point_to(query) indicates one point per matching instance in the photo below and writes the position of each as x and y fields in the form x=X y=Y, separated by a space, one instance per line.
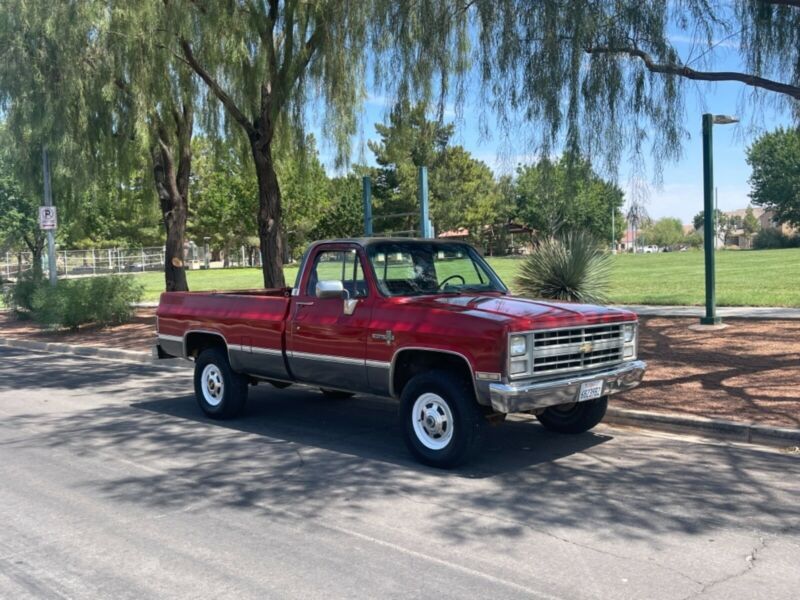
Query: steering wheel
x=446 y=279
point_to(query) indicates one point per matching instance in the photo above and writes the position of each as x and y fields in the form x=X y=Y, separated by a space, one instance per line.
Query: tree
x=305 y=194
x=408 y=141
x=567 y=195
x=344 y=216
x=775 y=181
x=19 y=211
x=224 y=197
x=603 y=75
x=750 y=224
x=462 y=191
x=93 y=83
x=666 y=232
x=258 y=60
x=723 y=226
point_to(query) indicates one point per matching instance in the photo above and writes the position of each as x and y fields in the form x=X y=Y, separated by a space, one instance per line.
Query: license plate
x=591 y=390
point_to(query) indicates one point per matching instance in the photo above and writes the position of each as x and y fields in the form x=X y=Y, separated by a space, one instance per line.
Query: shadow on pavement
x=295 y=449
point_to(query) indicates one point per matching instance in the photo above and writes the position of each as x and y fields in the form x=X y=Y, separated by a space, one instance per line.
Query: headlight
x=518 y=345
x=629 y=331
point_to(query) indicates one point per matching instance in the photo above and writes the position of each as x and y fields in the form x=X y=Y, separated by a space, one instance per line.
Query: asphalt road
x=113 y=486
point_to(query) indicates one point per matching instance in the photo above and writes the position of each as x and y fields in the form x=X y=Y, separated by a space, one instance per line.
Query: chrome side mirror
x=330 y=289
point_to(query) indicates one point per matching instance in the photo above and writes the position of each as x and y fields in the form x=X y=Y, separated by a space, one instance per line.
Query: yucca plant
x=572 y=268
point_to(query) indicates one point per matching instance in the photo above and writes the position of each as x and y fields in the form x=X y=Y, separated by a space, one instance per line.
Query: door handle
x=304 y=303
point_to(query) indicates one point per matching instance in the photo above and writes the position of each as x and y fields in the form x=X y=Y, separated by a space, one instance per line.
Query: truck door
x=327 y=338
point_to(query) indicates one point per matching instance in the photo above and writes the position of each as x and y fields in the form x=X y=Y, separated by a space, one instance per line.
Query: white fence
x=74 y=263
x=83 y=263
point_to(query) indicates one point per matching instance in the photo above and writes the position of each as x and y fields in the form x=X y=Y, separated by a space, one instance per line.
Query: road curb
x=751 y=433
x=670 y=422
x=90 y=351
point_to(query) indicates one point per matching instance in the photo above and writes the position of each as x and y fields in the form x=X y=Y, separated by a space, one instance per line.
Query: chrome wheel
x=212 y=384
x=433 y=421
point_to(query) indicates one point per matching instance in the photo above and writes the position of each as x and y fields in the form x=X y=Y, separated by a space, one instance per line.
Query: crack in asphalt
x=549 y=534
x=750 y=559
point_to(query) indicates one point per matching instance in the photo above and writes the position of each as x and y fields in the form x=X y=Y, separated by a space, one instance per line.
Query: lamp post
x=205 y=252
x=709 y=216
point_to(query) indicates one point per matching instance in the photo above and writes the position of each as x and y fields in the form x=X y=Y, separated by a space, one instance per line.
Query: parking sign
x=47 y=217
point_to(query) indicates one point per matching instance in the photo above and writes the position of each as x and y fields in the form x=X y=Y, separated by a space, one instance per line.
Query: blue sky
x=680 y=193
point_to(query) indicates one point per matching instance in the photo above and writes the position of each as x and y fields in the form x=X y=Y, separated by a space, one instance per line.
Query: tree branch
x=689 y=73
x=221 y=95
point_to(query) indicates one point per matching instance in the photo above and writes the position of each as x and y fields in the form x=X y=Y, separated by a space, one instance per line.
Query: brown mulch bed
x=139 y=334
x=747 y=372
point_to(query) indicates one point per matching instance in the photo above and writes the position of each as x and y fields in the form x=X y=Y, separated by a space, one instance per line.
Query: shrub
x=98 y=300
x=572 y=268
x=18 y=297
x=774 y=238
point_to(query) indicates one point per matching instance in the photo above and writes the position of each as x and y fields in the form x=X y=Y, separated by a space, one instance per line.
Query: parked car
x=426 y=322
x=650 y=249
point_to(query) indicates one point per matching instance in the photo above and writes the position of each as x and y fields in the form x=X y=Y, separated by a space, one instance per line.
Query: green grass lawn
x=744 y=278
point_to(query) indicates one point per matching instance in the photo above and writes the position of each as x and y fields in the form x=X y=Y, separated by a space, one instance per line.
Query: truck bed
x=252 y=323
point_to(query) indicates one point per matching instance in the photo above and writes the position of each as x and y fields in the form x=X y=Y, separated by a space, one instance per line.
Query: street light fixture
x=709 y=215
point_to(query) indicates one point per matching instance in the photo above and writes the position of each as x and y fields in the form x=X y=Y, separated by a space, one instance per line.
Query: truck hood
x=523 y=314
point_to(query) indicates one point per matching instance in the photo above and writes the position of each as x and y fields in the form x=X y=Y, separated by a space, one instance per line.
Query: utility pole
x=366 y=197
x=424 y=215
x=613 y=232
x=51 y=238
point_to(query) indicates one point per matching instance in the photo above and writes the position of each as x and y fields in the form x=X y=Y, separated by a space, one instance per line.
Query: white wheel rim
x=433 y=421
x=213 y=385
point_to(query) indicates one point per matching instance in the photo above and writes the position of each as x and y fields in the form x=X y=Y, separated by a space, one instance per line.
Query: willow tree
x=43 y=99
x=153 y=97
x=604 y=76
x=90 y=81
x=259 y=59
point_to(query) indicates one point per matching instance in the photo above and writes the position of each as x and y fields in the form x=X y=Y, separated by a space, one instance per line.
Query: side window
x=401 y=272
x=338 y=265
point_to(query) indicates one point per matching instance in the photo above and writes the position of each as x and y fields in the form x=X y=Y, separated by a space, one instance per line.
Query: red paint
x=474 y=325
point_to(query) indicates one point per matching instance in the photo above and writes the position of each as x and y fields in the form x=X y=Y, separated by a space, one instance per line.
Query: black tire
x=463 y=436
x=336 y=394
x=574 y=418
x=232 y=391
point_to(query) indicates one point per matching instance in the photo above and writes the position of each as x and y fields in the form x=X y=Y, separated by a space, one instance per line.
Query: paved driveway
x=113 y=485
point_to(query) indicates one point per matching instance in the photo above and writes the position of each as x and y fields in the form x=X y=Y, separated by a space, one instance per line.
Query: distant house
x=766 y=220
x=627 y=241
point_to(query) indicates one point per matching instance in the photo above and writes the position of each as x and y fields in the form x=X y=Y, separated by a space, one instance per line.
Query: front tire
x=574 y=418
x=219 y=390
x=441 y=422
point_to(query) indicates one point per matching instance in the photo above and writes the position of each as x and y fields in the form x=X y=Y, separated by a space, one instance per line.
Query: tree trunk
x=172 y=186
x=36 y=263
x=173 y=213
x=269 y=212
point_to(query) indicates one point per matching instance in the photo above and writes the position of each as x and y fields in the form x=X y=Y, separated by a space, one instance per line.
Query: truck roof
x=368 y=241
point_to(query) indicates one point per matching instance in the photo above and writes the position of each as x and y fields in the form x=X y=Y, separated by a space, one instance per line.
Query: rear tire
x=219 y=390
x=441 y=422
x=336 y=394
x=574 y=418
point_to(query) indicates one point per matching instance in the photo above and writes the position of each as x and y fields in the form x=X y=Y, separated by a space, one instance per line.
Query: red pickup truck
x=427 y=322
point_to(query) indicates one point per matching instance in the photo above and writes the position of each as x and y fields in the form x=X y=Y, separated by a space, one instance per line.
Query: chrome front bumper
x=522 y=397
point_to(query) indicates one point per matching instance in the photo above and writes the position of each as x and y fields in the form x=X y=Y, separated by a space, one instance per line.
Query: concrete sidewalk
x=738 y=312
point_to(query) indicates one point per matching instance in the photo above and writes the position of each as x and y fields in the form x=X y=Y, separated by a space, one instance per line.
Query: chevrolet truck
x=426 y=322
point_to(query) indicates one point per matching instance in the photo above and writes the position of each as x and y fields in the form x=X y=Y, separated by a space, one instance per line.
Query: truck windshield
x=418 y=268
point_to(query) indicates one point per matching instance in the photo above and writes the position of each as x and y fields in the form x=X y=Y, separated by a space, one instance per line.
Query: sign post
x=48 y=220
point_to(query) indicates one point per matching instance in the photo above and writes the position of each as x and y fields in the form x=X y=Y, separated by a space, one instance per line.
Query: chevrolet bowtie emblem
x=586 y=347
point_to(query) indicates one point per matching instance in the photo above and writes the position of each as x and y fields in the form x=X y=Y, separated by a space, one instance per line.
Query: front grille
x=561 y=350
